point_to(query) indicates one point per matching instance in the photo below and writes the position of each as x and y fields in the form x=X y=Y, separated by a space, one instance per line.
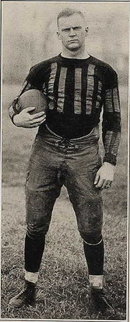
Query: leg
x=42 y=189
x=89 y=218
x=87 y=203
x=39 y=210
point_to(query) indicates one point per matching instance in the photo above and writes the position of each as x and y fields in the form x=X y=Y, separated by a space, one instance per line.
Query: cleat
x=99 y=301
x=25 y=297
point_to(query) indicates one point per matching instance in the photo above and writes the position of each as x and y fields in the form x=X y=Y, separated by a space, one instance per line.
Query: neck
x=79 y=54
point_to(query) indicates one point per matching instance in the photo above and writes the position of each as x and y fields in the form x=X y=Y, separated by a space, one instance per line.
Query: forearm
x=111 y=136
x=111 y=126
x=15 y=108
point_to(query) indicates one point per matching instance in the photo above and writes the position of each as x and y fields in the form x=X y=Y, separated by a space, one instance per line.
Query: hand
x=104 y=176
x=25 y=119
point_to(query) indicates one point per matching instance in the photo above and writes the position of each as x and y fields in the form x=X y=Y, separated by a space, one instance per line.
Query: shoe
x=25 y=297
x=99 y=301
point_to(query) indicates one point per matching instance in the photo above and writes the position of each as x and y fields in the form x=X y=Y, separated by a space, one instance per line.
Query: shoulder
x=44 y=64
x=39 y=70
x=109 y=75
x=105 y=67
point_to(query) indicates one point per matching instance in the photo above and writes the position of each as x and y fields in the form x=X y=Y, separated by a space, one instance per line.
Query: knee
x=92 y=237
x=90 y=227
x=37 y=231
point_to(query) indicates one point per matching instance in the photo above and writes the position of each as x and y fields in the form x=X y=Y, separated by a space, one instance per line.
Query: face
x=72 y=31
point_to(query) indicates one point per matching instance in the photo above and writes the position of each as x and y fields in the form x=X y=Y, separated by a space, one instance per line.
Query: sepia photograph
x=64 y=218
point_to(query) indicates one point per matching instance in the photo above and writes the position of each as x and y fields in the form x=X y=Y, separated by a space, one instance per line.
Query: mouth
x=72 y=41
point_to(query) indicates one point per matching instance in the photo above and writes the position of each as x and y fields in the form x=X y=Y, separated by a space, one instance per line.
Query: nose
x=72 y=32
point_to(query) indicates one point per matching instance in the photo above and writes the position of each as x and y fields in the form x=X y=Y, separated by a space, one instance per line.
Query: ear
x=58 y=35
x=86 y=31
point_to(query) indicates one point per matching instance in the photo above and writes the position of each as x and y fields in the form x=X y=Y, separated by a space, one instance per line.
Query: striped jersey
x=77 y=90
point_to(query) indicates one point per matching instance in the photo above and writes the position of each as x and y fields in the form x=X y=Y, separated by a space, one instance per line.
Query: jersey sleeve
x=111 y=125
x=31 y=82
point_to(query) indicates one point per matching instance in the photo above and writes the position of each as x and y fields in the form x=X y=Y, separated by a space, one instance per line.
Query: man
x=65 y=150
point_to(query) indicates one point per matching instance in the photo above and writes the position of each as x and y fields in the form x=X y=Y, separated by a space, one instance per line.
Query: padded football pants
x=54 y=162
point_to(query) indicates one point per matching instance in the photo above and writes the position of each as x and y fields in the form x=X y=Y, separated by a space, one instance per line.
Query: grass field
x=63 y=281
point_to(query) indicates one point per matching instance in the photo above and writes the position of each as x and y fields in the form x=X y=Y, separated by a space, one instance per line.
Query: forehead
x=74 y=20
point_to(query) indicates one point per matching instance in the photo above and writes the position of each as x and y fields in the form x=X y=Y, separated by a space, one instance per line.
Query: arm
x=111 y=132
x=24 y=118
x=14 y=109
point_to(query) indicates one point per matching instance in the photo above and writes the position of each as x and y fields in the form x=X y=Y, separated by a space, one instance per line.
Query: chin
x=73 y=47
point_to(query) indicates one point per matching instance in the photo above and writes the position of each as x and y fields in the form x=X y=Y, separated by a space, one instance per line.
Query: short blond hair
x=67 y=12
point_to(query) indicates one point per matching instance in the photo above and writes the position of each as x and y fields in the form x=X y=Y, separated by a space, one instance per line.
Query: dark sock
x=33 y=253
x=94 y=255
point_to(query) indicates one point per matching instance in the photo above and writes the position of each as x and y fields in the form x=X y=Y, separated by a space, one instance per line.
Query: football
x=33 y=98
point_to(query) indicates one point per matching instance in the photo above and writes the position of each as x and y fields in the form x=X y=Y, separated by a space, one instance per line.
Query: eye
x=66 y=29
x=77 y=28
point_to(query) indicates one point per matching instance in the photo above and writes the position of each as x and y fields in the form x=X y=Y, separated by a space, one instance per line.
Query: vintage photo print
x=64 y=222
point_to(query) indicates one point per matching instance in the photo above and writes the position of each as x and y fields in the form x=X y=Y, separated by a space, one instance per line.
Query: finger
x=108 y=184
x=100 y=183
x=29 y=109
x=96 y=178
x=37 y=115
x=38 y=120
x=39 y=123
x=104 y=184
x=35 y=124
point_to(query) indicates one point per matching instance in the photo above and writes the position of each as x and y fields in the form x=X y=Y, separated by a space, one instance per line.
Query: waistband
x=93 y=132
x=70 y=145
